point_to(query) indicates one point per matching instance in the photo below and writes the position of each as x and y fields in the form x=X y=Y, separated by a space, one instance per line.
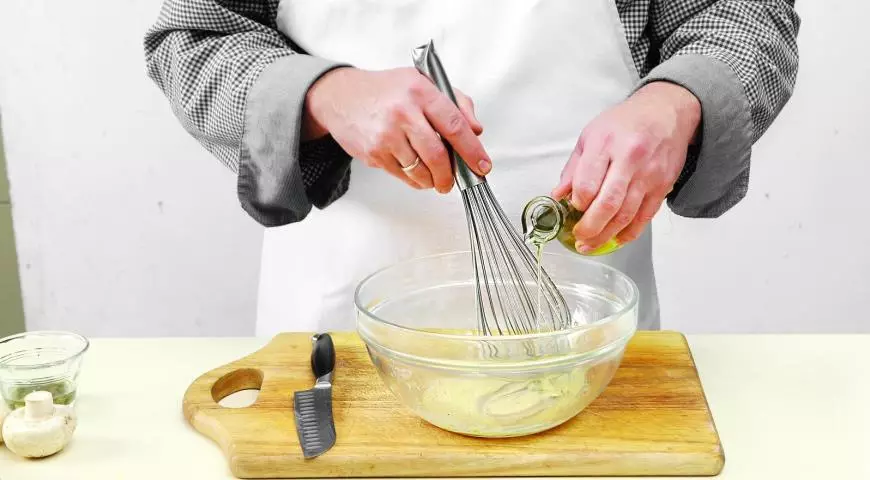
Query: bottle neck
x=542 y=220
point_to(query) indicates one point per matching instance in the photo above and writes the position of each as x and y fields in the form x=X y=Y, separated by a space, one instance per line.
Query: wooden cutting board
x=652 y=419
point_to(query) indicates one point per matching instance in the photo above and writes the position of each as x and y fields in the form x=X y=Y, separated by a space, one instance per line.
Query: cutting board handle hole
x=238 y=389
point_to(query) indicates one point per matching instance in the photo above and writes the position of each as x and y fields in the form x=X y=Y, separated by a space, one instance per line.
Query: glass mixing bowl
x=417 y=319
x=40 y=360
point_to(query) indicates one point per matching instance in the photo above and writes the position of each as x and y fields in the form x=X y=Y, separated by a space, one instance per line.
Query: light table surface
x=786 y=407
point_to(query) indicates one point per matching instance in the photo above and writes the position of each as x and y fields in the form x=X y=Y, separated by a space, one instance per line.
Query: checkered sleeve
x=218 y=63
x=740 y=58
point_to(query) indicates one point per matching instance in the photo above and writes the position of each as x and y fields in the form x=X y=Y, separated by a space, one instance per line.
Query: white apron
x=538 y=72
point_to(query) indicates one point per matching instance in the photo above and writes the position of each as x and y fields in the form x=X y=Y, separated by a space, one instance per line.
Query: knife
x=313 y=408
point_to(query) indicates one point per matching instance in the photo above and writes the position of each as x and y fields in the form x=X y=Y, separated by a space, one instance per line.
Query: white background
x=112 y=243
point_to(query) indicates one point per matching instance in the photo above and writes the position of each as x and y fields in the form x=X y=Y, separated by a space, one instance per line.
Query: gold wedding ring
x=411 y=166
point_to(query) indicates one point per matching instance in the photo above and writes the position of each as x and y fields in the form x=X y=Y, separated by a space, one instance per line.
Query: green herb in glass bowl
x=63 y=392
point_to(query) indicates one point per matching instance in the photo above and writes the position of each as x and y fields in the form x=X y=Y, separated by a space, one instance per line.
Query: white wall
x=112 y=242
x=793 y=256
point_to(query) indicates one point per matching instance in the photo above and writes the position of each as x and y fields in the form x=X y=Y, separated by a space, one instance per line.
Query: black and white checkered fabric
x=205 y=55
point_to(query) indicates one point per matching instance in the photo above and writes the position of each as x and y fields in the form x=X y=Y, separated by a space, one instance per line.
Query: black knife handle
x=323 y=355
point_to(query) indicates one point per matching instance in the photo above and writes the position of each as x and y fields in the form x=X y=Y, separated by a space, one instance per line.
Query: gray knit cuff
x=716 y=175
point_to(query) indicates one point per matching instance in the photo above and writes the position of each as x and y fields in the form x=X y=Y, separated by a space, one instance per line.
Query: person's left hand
x=627 y=161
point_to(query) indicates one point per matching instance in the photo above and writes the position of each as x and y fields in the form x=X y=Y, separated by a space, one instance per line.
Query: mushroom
x=39 y=428
x=4 y=410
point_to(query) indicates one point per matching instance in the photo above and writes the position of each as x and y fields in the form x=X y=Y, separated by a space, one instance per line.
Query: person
x=620 y=106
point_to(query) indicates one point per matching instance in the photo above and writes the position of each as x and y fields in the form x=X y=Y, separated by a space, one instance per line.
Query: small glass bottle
x=544 y=219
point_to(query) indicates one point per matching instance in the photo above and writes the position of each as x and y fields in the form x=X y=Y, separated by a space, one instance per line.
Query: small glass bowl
x=40 y=360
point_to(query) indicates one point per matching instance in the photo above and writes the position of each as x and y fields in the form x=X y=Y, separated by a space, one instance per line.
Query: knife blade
x=313 y=408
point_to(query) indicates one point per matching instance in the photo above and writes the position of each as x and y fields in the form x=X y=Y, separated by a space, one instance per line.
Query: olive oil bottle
x=545 y=219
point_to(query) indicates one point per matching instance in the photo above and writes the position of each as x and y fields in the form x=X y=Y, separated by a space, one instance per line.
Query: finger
x=607 y=202
x=585 y=193
x=624 y=216
x=645 y=214
x=563 y=188
x=451 y=124
x=425 y=141
x=406 y=156
x=392 y=167
x=381 y=158
x=587 y=177
x=466 y=106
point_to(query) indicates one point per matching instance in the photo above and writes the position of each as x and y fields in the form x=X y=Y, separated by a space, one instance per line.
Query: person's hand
x=390 y=118
x=627 y=161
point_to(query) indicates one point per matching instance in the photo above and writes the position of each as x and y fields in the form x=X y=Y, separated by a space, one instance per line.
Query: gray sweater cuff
x=281 y=178
x=716 y=174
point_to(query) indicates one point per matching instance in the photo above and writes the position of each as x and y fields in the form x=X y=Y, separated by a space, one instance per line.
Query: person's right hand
x=389 y=118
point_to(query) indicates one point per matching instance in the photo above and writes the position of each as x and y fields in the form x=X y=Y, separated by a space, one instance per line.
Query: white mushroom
x=40 y=428
x=4 y=410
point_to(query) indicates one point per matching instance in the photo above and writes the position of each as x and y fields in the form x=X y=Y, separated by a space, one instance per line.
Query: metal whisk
x=505 y=269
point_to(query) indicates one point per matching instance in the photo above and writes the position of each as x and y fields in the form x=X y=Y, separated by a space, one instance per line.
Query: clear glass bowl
x=417 y=319
x=40 y=360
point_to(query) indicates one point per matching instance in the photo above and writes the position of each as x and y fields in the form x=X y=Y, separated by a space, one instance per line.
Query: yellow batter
x=490 y=405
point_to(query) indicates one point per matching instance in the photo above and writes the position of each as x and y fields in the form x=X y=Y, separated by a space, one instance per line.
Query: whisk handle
x=427 y=63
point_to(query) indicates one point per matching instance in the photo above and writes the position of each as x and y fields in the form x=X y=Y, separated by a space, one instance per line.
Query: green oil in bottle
x=545 y=219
